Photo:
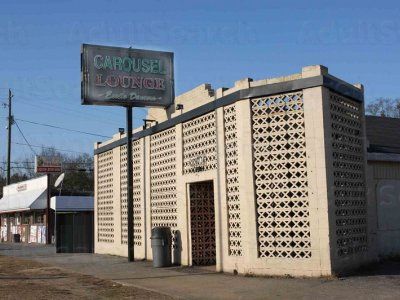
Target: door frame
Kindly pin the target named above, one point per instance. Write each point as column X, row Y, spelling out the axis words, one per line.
column 189, row 220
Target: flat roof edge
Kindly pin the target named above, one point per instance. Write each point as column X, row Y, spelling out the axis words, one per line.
column 327, row 81
column 17, row 210
column 384, row 157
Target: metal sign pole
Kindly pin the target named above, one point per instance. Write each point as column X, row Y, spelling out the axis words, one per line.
column 146, row 79
column 129, row 178
column 48, row 237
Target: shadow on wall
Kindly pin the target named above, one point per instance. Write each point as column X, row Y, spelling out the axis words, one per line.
column 177, row 249
column 386, row 267
column 388, row 213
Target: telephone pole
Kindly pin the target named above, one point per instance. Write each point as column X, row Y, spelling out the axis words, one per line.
column 10, row 123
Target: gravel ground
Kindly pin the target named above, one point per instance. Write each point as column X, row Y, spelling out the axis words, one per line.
column 25, row 279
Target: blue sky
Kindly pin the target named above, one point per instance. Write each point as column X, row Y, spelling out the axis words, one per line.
column 216, row 42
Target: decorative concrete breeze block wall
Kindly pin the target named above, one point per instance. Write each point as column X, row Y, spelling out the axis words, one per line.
column 281, row 170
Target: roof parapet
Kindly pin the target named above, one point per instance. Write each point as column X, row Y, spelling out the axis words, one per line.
column 311, row 71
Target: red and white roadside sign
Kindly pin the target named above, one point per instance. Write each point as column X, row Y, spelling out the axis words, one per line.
column 47, row 165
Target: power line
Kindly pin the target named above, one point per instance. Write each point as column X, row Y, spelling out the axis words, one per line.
column 50, row 148
column 72, row 112
column 32, row 168
column 32, row 162
column 76, row 113
column 20, row 131
column 63, row 128
column 46, row 104
column 17, row 162
column 42, row 101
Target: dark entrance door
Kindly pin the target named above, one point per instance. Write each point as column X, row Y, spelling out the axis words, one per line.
column 64, row 234
column 202, row 223
column 74, row 232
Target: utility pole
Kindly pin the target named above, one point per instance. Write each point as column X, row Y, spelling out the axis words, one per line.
column 10, row 123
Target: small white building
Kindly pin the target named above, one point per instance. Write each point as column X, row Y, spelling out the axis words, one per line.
column 23, row 211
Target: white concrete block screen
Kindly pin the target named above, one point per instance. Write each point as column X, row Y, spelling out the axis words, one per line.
column 266, row 177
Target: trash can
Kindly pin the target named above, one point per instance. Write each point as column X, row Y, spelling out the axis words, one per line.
column 16, row 238
column 161, row 241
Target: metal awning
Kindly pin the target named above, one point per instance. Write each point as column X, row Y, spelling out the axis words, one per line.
column 71, row 203
column 28, row 200
column 23, row 196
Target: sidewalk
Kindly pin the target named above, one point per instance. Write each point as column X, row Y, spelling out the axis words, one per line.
column 203, row 283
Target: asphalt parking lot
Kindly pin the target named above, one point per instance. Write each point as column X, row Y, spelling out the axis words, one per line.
column 381, row 281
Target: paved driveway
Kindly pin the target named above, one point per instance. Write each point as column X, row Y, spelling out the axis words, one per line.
column 202, row 283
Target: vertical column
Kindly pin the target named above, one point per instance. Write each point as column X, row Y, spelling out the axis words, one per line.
column 117, row 198
column 129, row 185
column 141, row 254
column 181, row 253
column 246, row 183
column 95, row 215
column 147, row 196
column 221, row 222
column 318, row 148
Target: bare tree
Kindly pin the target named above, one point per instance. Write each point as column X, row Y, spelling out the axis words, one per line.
column 78, row 171
column 384, row 107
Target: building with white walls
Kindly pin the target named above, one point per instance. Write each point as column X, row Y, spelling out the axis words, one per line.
column 23, row 211
column 266, row 177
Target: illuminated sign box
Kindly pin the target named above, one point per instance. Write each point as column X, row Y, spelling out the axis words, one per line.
column 126, row 77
